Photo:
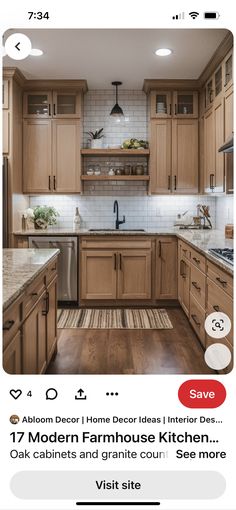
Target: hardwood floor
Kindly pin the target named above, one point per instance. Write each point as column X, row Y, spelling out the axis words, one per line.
column 86, row 351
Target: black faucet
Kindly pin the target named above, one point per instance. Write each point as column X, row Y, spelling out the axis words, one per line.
column 116, row 209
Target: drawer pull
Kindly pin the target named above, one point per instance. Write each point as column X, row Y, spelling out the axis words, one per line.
column 196, row 286
column 222, row 282
column 185, row 251
column 182, row 263
column 194, row 317
column 45, row 312
column 8, row 325
column 120, row 261
column 216, row 308
column 196, row 260
column 114, row 261
column 34, row 294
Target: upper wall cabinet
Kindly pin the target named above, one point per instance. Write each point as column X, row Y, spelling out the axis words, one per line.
column 5, row 94
column 177, row 104
column 228, row 70
column 52, row 104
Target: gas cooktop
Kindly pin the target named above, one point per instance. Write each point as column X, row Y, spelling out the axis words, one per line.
column 226, row 254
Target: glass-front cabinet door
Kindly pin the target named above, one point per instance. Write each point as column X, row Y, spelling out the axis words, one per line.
column 161, row 106
column 228, row 71
column 209, row 94
column 218, row 81
column 185, row 104
column 38, row 104
column 66, row 104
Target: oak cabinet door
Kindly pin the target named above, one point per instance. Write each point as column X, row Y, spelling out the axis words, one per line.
column 185, row 104
column 37, row 156
column 184, row 284
column 134, row 274
column 209, row 151
column 51, row 319
column 229, row 109
column 5, row 131
column 185, row 156
column 166, row 268
column 37, row 104
column 34, row 340
column 12, row 356
column 160, row 156
column 98, row 274
column 219, row 140
column 66, row 104
column 66, row 156
column 161, row 104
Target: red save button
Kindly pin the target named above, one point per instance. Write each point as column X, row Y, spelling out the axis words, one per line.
column 202, row 393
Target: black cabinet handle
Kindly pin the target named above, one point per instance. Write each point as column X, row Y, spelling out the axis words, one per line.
column 212, row 181
column 54, row 109
column 221, row 281
column 45, row 312
column 175, row 181
column 216, row 308
column 8, row 325
column 196, row 260
column 168, row 181
column 196, row 286
column 182, row 263
column 170, row 109
column 49, row 182
column 54, row 183
column 175, row 109
column 120, row 261
column 49, row 110
column 194, row 317
column 114, row 261
column 160, row 249
column 34, row 294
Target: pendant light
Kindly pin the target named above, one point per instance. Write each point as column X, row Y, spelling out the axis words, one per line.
column 117, row 110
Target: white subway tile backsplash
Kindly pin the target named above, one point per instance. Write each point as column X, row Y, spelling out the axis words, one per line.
column 224, row 211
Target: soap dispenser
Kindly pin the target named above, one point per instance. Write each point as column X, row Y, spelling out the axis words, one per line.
column 77, row 220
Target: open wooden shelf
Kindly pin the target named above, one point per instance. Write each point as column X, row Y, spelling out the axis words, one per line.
column 115, row 152
column 115, row 177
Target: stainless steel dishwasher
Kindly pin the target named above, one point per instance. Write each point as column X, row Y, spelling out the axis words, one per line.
column 67, row 263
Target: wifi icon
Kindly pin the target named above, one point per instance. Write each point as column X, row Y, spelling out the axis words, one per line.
column 194, row 14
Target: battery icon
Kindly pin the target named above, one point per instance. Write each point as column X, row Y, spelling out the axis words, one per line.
column 211, row 15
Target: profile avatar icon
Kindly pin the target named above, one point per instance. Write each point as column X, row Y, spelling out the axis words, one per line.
column 14, row 419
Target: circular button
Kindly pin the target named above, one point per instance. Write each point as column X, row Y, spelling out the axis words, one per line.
column 18, row 46
column 204, row 393
column 217, row 325
column 217, row 356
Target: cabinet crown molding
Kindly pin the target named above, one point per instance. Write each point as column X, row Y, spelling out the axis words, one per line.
column 14, row 72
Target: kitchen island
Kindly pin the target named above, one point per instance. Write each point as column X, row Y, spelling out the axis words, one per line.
column 29, row 309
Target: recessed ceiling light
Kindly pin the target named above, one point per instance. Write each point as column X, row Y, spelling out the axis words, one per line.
column 163, row 52
column 36, row 53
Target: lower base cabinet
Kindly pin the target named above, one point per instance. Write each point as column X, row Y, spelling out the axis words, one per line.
column 197, row 319
column 166, row 268
column 12, row 356
column 112, row 269
column 184, row 284
column 30, row 326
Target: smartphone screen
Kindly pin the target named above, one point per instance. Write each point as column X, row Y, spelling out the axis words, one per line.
column 117, row 372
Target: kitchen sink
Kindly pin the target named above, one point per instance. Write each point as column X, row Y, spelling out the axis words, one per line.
column 117, row 230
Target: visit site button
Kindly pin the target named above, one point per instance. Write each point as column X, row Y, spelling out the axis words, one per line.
column 202, row 393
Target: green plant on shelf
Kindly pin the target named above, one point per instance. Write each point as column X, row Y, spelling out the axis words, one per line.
column 44, row 215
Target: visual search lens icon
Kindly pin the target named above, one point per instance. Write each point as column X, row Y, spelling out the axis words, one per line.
column 194, row 14
column 218, row 324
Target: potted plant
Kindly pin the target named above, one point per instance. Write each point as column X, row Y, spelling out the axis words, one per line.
column 42, row 216
column 95, row 138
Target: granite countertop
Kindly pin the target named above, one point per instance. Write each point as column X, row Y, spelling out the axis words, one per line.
column 20, row 268
column 201, row 240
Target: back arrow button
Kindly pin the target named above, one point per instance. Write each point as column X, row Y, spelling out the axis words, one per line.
column 17, row 46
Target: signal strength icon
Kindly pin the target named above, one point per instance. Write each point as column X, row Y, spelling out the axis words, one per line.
column 194, row 14
column 179, row 16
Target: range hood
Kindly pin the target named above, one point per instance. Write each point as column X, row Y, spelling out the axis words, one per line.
column 227, row 147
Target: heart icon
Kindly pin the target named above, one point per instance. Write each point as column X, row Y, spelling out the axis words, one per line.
column 15, row 393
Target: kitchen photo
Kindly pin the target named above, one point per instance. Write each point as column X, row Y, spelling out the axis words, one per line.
column 118, row 202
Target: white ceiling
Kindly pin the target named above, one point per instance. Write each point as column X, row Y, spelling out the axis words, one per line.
column 105, row 55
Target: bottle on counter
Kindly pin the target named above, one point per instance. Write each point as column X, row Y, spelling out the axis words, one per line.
column 77, row 220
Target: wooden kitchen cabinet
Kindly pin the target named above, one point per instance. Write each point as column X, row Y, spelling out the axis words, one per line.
column 174, row 104
column 228, row 113
column 66, row 156
column 160, row 156
column 5, row 132
column 185, row 156
column 37, row 156
column 228, row 70
column 174, row 156
column 99, row 274
column 184, row 284
column 12, row 355
column 214, row 138
column 49, row 104
column 134, row 274
column 166, row 268
column 116, row 269
column 51, row 160
column 5, row 94
column 34, row 344
column 51, row 297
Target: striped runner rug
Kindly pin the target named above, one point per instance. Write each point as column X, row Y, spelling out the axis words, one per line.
column 114, row 319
